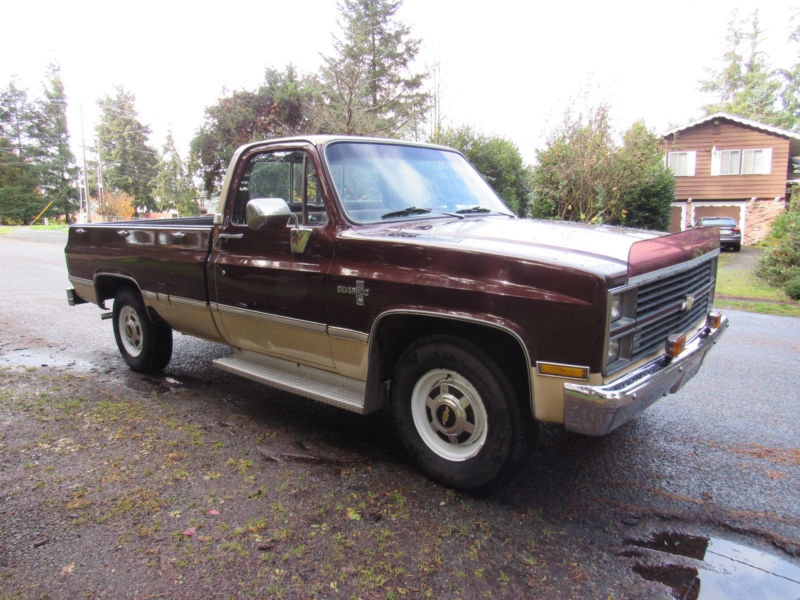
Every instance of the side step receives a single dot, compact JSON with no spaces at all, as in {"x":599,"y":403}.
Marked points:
{"x":317,"y":384}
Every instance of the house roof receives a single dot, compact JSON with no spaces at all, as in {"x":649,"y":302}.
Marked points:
{"x":741,"y":121}
{"x":792,"y":136}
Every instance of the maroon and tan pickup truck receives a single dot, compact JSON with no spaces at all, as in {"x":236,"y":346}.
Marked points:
{"x":375,"y":274}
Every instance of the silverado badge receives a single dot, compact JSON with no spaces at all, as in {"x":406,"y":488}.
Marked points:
{"x":359,"y":290}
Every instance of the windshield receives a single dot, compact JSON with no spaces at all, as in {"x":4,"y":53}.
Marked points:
{"x":722,"y":221}
{"x":380,"y":182}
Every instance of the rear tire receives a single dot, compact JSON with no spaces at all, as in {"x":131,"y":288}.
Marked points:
{"x":457,"y":414}
{"x":146,"y":346}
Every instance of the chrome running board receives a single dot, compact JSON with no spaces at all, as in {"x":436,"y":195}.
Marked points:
{"x":317,"y":384}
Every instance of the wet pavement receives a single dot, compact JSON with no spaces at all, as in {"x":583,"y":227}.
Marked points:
{"x":697,"y":498}
{"x":696,"y":567}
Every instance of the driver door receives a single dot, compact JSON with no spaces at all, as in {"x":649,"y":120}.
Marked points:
{"x":267,"y":298}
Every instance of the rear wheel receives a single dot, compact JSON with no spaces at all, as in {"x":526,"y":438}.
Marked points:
{"x":456,"y":412}
{"x":145,"y":346}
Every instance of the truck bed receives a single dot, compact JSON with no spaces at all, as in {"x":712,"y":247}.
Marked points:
{"x":165,"y":257}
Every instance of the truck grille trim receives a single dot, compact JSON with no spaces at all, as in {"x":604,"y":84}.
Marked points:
{"x":671,"y":291}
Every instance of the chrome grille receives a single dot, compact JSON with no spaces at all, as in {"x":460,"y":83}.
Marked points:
{"x":659,"y":306}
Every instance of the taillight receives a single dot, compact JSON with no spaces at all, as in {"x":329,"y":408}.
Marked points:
{"x":735,"y":230}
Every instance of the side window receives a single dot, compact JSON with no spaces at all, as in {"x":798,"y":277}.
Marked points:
{"x":285,"y":174}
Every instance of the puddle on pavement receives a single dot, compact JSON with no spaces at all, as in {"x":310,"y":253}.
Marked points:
{"x":717,"y":569}
{"x":31,"y":359}
{"x":162,"y":384}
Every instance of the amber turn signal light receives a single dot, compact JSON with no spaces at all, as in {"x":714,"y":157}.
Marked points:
{"x":714,"y":319}
{"x":676,"y":344}
{"x":557,"y":370}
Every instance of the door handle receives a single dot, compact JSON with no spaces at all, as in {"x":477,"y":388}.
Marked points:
{"x":178,"y":235}
{"x":123,"y":232}
{"x":231,"y":236}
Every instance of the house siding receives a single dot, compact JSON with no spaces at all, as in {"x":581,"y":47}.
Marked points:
{"x":752,"y":200}
{"x":727,"y":135}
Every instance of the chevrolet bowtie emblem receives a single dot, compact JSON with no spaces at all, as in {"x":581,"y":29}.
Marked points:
{"x":688,"y":303}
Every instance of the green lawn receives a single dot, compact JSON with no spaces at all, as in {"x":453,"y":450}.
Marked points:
{"x":739,"y":289}
{"x":53,"y":226}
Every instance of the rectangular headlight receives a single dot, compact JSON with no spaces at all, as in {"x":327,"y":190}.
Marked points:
{"x":613,"y":351}
{"x":616,"y":307}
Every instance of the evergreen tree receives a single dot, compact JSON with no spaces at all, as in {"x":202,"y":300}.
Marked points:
{"x":19,"y":183}
{"x":368,"y":87}
{"x":18,"y":194}
{"x":746,"y":85}
{"x":790,"y":90}
{"x":50,"y":147}
{"x":15,"y":111}
{"x":129,"y":163}
{"x":173,"y":188}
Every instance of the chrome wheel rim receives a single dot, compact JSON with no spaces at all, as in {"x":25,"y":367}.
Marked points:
{"x":130,"y":331}
{"x":449,"y":415}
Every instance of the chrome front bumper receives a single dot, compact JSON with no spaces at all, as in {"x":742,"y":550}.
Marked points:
{"x":598,"y":410}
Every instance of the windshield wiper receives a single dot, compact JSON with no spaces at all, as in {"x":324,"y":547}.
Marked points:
{"x":406,"y":212}
{"x":473,"y":210}
{"x":413,"y":210}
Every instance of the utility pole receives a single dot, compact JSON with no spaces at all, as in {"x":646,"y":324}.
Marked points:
{"x":79,"y":183}
{"x":85,"y":175}
{"x":99,"y":179}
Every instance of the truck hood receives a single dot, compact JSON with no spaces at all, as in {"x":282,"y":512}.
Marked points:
{"x":602,"y":250}
{"x":606,"y":251}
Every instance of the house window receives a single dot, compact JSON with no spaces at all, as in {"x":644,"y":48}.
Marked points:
{"x":725,"y":162}
{"x":729,"y":162}
{"x":682,"y":163}
{"x":757,"y":161}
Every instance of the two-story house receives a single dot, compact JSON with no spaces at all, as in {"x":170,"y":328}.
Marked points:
{"x":730,"y":166}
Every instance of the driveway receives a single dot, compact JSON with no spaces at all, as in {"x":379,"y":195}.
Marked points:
{"x":200,"y":484}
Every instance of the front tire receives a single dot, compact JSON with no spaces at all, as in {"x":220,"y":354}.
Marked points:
{"x":457,"y":413}
{"x":145,"y":346}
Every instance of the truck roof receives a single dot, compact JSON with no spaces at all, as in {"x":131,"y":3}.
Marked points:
{"x":322,"y":140}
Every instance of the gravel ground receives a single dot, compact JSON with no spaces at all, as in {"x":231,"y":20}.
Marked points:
{"x":148,"y":488}
{"x":198,"y":484}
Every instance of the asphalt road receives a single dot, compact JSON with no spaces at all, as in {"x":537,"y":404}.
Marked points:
{"x":718,"y":461}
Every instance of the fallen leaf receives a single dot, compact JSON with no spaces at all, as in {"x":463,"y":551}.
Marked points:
{"x":212,"y":512}
{"x":68,"y":569}
{"x":190,"y":532}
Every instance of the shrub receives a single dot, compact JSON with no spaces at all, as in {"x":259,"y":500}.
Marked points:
{"x":793,"y":288}
{"x":781,"y":262}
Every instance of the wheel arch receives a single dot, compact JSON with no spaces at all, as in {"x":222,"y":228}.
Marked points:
{"x":395,"y":330}
{"x":108,"y":285}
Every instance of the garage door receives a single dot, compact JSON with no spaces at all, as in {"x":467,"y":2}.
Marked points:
{"x":717,"y":211}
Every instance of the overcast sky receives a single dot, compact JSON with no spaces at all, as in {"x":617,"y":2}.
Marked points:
{"x":507,"y":68}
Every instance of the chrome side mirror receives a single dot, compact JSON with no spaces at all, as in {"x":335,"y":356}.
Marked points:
{"x":267,"y":213}
{"x":274,"y":213}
